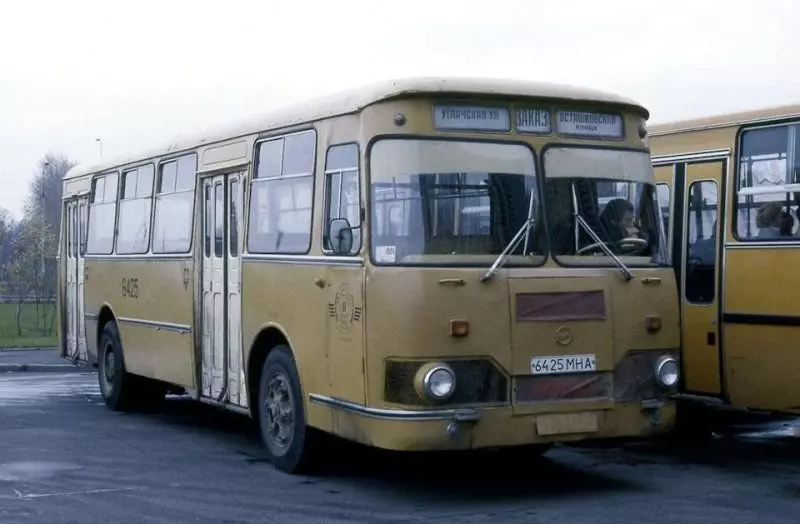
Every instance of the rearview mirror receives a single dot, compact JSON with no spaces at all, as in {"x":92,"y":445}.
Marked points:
{"x":341,"y":236}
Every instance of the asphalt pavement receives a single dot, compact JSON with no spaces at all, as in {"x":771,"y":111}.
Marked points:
{"x":64,"y":457}
{"x":36,"y":360}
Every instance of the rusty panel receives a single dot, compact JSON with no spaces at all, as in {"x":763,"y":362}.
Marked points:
{"x":570,"y":305}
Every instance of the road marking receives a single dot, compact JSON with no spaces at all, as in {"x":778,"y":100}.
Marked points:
{"x":19,"y":495}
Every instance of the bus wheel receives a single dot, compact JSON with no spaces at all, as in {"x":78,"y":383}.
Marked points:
{"x":115,"y":383}
{"x":281,"y":415}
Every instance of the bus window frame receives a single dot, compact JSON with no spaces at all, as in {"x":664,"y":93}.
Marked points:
{"x":735,"y":174}
{"x":91,"y":202}
{"x":360,"y":163}
{"x":156,"y":194}
{"x":610,"y":263}
{"x":484,"y":140}
{"x":253,"y":178}
{"x":717,"y":241}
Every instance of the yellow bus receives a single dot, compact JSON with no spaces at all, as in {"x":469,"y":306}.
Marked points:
{"x":729,"y":187}
{"x":419,"y":264}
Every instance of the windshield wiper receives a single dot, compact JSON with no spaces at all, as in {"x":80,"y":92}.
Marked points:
{"x":580,"y":220}
{"x":512,"y":245}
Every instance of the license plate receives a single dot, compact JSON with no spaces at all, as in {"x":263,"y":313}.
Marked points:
{"x":563,"y":364}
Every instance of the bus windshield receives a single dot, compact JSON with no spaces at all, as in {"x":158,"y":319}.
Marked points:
{"x":603,"y":203}
{"x":452,"y":202}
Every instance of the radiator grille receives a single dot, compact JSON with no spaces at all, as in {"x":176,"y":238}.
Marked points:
{"x":477,"y":381}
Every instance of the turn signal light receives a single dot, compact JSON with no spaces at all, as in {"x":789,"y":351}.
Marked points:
{"x":459,"y":328}
{"x":652,"y":323}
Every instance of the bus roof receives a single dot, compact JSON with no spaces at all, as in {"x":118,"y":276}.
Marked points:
{"x":725,"y":120}
{"x":355,"y":99}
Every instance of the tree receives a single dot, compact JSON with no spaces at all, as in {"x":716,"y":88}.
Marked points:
{"x":46,"y":189}
{"x":34,"y":246}
{"x":7,"y":233}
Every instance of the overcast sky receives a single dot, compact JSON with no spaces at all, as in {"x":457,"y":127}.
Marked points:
{"x":137,"y":73}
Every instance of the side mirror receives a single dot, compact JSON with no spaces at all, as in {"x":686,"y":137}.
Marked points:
{"x":341,"y":236}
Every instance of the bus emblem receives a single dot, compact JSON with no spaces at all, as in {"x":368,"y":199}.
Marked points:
{"x":563,"y":336}
{"x":343,"y":308}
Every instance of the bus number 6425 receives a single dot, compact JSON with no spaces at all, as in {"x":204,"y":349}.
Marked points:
{"x":130,"y":287}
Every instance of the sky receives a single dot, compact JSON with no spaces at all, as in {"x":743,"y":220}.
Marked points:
{"x":136,"y":74}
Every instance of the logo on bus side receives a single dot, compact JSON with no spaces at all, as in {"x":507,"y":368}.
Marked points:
{"x":343,"y":309}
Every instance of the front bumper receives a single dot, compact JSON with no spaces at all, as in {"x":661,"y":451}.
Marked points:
{"x":473,"y":428}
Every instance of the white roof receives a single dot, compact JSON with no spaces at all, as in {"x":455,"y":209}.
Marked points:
{"x":353,"y":100}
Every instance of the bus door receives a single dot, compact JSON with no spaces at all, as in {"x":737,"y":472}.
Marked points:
{"x":222,"y":375}
{"x":77,"y":213}
{"x":696,"y":259}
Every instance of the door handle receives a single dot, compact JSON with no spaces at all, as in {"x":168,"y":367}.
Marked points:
{"x":85,"y":273}
{"x":320,"y":282}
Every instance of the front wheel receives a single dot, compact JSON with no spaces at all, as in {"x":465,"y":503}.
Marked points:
{"x":116,"y":385}
{"x":281,"y":414}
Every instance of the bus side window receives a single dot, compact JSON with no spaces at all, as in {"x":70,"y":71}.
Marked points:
{"x":281,"y":195}
{"x":102,"y":215}
{"x":343,"y":191}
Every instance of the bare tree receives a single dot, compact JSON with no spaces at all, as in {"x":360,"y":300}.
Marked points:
{"x":32,"y":268}
{"x":46,"y":189}
{"x":33,"y":244}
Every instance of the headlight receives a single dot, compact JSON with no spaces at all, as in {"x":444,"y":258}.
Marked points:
{"x":667,"y":371}
{"x":439,"y":382}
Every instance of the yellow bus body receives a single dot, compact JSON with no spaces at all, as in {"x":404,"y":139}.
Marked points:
{"x":739,"y":323}
{"x":362,"y":327}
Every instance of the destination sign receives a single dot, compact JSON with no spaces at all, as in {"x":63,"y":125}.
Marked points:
{"x":580,"y":123}
{"x":533,"y":120}
{"x":471,"y":118}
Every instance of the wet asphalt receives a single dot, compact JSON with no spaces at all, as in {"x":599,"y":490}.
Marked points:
{"x":65,"y":458}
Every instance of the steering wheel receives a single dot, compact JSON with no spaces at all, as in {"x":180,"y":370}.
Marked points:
{"x":638,"y":245}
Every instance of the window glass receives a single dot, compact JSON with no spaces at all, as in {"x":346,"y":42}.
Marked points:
{"x":234,"y":214}
{"x":169,"y":173}
{"x":298,"y":154}
{"x":701,"y":242}
{"x":144,"y":184}
{"x":454,"y":203}
{"x":172,"y":227}
{"x":281,"y":196}
{"x":186,"y":173}
{"x":101,"y":228}
{"x":767,"y":204}
{"x":343,"y":191}
{"x":603,"y":202}
{"x":134,"y":226}
{"x":111,"y":187}
{"x":270,"y":158}
{"x":102,"y":215}
{"x":129,"y":184}
{"x":209,"y":222}
{"x":219,"y":219}
{"x":133,"y":235}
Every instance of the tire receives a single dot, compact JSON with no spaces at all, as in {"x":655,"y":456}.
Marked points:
{"x":289,"y":442}
{"x":116,"y":385}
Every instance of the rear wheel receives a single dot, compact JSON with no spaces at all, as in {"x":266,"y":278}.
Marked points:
{"x":281,"y":415}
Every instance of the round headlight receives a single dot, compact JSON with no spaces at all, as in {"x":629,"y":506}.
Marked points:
{"x":439,"y":382}
{"x":667,"y":371}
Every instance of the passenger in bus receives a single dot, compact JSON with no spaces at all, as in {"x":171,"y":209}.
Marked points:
{"x":768,"y":220}
{"x":618,"y":221}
